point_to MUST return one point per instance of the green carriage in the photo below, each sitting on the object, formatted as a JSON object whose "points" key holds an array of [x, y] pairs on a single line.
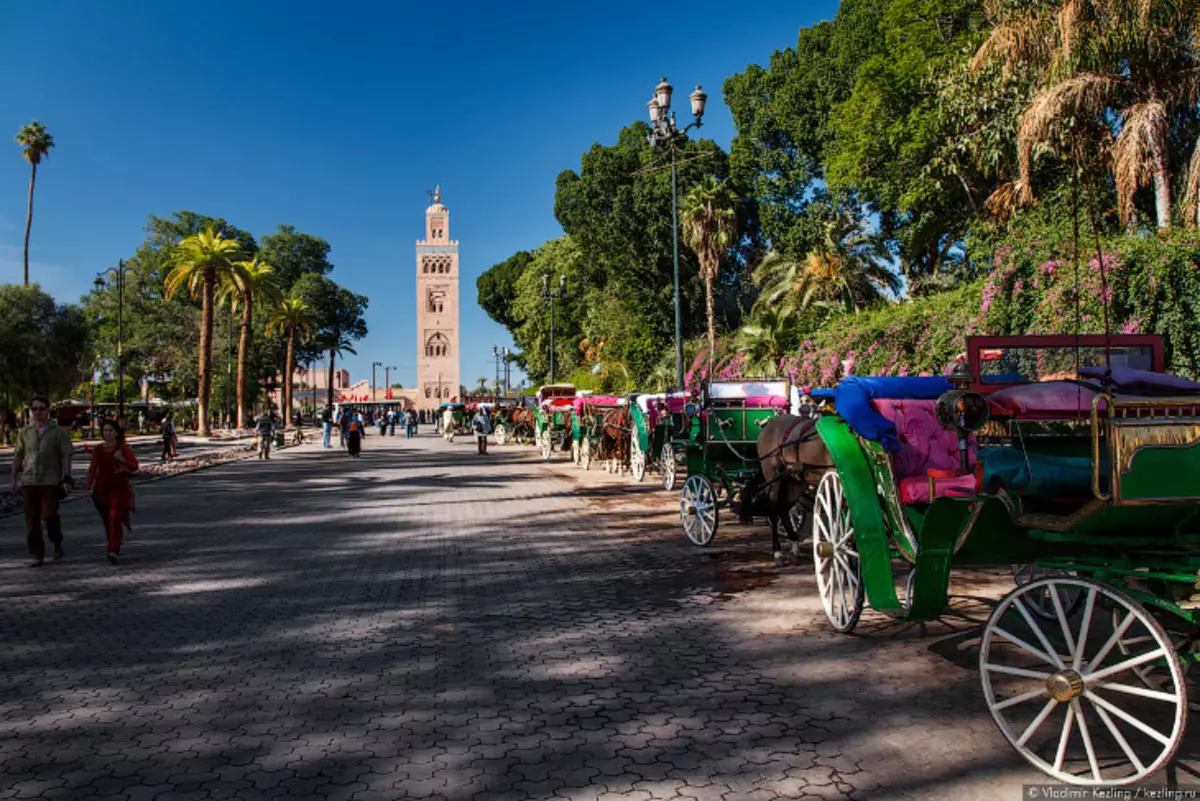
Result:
{"points": [[1090, 489], [552, 421], [454, 419], [587, 421], [662, 428], [721, 453]]}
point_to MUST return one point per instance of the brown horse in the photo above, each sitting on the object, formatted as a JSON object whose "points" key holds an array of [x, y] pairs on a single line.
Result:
{"points": [[616, 428], [524, 425], [792, 458]]}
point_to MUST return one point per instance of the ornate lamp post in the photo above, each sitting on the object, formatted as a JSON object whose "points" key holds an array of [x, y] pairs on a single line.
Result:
{"points": [[553, 295], [504, 355], [119, 271], [666, 134], [387, 381], [496, 358], [373, 366]]}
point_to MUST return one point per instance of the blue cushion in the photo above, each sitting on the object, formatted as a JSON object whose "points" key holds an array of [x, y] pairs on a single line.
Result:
{"points": [[853, 400]]}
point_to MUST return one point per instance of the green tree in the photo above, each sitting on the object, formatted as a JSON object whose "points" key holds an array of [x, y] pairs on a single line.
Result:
{"points": [[294, 318], [44, 344], [497, 287], [339, 320], [294, 254], [765, 340], [709, 227], [251, 282], [846, 270], [200, 262], [36, 143], [1120, 74]]}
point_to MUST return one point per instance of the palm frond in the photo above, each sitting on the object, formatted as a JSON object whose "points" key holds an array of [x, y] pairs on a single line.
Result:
{"points": [[1003, 203], [1144, 131], [1083, 94], [1012, 43], [1191, 197]]}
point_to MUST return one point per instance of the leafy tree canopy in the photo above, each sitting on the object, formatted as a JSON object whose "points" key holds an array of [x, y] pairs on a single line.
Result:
{"points": [[293, 254], [497, 287], [44, 344]]}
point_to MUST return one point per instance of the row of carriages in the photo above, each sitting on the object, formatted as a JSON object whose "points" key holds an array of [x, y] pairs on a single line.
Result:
{"points": [[1073, 462]]}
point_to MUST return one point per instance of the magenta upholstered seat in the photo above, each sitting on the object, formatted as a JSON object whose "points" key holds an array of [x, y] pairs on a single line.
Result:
{"points": [[924, 446], [766, 402], [1046, 400]]}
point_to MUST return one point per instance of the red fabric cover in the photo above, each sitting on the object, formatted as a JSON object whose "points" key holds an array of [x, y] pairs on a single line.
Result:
{"points": [[915, 489], [1045, 400], [925, 445]]}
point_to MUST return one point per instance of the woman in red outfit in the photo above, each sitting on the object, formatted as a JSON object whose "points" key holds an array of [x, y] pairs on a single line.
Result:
{"points": [[108, 483]]}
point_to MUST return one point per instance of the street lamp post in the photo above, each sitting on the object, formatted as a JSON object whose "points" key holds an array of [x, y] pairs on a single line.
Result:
{"points": [[553, 295], [387, 381], [99, 284], [666, 134], [373, 366], [496, 357], [504, 354]]}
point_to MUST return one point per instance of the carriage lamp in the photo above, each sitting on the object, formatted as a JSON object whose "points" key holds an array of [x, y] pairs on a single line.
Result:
{"points": [[962, 410], [665, 133]]}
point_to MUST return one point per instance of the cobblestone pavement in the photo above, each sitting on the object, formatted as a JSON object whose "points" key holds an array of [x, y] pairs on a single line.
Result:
{"points": [[426, 622]]}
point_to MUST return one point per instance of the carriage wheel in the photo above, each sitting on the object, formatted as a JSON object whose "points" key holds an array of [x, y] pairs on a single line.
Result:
{"points": [[1068, 698], [698, 510], [835, 556], [585, 453], [637, 459], [575, 451], [1156, 674], [1041, 605], [501, 436], [666, 462], [545, 444]]}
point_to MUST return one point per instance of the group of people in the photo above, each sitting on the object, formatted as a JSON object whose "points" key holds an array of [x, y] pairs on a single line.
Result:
{"points": [[41, 472], [352, 426]]}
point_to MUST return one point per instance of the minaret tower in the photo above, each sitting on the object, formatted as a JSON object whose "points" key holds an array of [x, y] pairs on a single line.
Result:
{"points": [[437, 309]]}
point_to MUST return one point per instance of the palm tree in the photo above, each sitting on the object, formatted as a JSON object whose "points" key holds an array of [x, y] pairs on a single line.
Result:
{"points": [[37, 144], [709, 227], [334, 343], [201, 262], [764, 341], [249, 283], [847, 270], [295, 318], [483, 382], [1120, 70]]}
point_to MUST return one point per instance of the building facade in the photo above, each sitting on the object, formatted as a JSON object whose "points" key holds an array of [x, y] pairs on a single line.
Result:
{"points": [[437, 310]]}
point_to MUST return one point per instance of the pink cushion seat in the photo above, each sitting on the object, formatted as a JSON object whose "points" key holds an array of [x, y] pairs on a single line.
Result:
{"points": [[1046, 400], [925, 446]]}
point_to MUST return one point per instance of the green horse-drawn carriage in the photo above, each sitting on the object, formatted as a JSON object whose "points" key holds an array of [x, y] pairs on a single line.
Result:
{"points": [[454, 419], [721, 447], [661, 430], [1091, 484], [588, 414], [553, 418]]}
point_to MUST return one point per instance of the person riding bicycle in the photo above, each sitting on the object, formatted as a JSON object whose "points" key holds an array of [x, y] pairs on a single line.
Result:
{"points": [[266, 433]]}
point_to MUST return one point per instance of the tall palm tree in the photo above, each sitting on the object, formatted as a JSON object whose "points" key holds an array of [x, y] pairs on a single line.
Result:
{"points": [[847, 270], [37, 144], [294, 317], [764, 341], [1123, 71], [334, 343], [250, 283], [201, 262], [709, 228]]}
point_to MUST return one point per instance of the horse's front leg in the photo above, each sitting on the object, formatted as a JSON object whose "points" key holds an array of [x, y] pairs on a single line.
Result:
{"points": [[792, 534], [776, 548]]}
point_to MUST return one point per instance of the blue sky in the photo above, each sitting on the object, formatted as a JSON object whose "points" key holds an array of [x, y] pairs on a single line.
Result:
{"points": [[338, 122]]}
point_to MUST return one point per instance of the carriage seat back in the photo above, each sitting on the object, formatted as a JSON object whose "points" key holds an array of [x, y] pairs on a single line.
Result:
{"points": [[924, 446]]}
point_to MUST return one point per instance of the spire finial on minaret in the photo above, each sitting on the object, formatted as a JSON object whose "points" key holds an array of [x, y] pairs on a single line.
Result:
{"points": [[437, 193]]}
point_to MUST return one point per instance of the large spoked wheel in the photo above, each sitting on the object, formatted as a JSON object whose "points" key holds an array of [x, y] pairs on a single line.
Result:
{"points": [[501, 435], [666, 462], [545, 444], [637, 459], [1156, 674], [585, 452], [698, 510], [575, 451], [1069, 697], [1042, 605], [835, 556]]}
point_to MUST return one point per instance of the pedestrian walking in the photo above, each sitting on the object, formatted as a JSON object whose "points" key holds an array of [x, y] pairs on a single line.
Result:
{"points": [[483, 426], [327, 424], [354, 437], [168, 438], [42, 462], [266, 432], [410, 424], [391, 421], [107, 483], [382, 423]]}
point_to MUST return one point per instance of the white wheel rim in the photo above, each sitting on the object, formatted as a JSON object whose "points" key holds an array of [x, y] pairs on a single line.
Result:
{"points": [[1113, 730], [585, 454], [839, 576], [637, 463], [667, 464], [698, 510], [546, 445]]}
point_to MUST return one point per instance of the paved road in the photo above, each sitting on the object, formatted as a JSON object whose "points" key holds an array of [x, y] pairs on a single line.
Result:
{"points": [[425, 622]]}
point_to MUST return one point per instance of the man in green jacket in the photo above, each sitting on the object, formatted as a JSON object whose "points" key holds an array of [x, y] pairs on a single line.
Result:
{"points": [[43, 462]]}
